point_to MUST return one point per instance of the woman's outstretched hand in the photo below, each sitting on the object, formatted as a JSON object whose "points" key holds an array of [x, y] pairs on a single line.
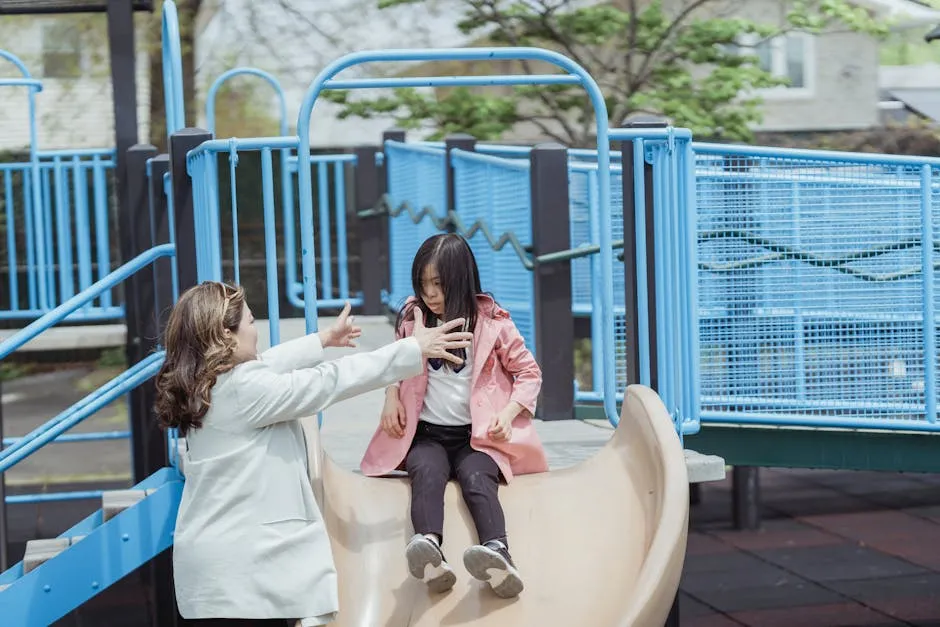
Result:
{"points": [[343, 332], [435, 342]]}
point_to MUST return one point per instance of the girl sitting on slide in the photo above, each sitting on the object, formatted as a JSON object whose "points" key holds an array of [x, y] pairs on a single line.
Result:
{"points": [[470, 420]]}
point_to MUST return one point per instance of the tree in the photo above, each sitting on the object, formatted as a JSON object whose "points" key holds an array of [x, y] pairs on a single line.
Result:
{"points": [[684, 62]]}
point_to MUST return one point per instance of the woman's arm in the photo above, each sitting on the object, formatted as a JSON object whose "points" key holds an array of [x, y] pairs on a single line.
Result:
{"points": [[519, 362], [302, 352], [267, 396], [307, 351]]}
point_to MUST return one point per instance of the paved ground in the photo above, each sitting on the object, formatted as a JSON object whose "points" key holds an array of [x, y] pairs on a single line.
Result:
{"points": [[836, 548]]}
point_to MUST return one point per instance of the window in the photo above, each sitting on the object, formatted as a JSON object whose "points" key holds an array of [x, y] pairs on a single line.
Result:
{"points": [[788, 56], [61, 51]]}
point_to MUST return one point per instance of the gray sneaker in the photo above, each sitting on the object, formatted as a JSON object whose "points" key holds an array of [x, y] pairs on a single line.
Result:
{"points": [[426, 562], [492, 563]]}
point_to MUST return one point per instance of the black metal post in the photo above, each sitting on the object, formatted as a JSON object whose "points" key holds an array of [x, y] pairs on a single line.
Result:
{"points": [[162, 296], [124, 82], [631, 280], [4, 532], [460, 141], [146, 439], [745, 497], [372, 266], [554, 324], [181, 143]]}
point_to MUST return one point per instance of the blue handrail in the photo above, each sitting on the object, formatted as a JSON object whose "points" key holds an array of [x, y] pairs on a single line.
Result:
{"points": [[76, 302], [118, 386], [172, 70]]}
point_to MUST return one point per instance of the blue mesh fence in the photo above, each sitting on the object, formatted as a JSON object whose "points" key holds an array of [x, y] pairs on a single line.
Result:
{"points": [[813, 298], [496, 192], [416, 175], [585, 271]]}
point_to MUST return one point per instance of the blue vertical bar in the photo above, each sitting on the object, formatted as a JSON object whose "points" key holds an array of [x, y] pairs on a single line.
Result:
{"points": [[290, 237], [342, 262], [659, 264], [12, 269], [270, 246], [171, 227], [800, 339], [930, 323], [691, 244], [82, 225], [642, 297], [597, 311], [670, 283], [64, 230], [48, 228], [683, 306], [326, 254], [232, 164], [32, 271], [102, 225], [213, 212]]}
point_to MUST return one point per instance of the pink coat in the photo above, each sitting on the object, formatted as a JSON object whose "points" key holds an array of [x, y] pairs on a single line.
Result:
{"points": [[503, 370]]}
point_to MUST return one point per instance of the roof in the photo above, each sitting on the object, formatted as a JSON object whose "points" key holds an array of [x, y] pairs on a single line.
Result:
{"points": [[924, 102]]}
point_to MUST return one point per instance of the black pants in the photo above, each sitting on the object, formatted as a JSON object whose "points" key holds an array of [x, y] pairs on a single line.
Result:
{"points": [[438, 454]]}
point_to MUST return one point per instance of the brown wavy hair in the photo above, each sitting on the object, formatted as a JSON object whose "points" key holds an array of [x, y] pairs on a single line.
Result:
{"points": [[197, 352]]}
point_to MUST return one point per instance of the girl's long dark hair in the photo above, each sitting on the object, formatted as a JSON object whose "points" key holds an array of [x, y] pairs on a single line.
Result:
{"points": [[451, 256]]}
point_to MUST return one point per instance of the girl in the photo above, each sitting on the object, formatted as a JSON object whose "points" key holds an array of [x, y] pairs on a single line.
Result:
{"points": [[250, 546], [472, 421]]}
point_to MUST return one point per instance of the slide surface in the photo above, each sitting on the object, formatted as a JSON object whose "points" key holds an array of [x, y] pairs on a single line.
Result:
{"points": [[601, 543]]}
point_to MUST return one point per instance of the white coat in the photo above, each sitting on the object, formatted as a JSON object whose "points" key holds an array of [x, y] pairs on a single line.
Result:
{"points": [[250, 541]]}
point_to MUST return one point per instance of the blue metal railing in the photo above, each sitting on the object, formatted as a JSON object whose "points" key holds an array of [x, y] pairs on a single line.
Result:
{"points": [[806, 318], [106, 394], [63, 311], [53, 430], [55, 210], [172, 69], [573, 75]]}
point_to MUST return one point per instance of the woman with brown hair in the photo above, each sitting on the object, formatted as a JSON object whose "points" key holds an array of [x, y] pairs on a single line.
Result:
{"points": [[250, 546]]}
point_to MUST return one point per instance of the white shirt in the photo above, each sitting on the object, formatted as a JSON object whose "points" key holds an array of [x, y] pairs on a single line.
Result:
{"points": [[447, 400]]}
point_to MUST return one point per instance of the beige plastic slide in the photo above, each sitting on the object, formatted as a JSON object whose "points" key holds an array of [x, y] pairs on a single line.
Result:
{"points": [[601, 543]]}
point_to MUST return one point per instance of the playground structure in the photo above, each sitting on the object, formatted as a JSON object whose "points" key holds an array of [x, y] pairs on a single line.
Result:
{"points": [[742, 295]]}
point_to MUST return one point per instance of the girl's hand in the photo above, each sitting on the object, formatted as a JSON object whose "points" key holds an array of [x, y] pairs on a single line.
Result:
{"points": [[437, 341], [393, 415], [501, 426], [343, 331]]}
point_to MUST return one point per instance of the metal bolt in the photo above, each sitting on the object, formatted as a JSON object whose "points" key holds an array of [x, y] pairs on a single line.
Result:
{"points": [[125, 537], [94, 585], [46, 588]]}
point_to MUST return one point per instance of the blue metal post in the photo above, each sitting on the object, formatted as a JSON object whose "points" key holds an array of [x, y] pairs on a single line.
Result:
{"points": [[930, 322]]}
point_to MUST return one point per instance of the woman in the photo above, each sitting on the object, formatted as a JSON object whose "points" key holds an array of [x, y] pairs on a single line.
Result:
{"points": [[250, 546]]}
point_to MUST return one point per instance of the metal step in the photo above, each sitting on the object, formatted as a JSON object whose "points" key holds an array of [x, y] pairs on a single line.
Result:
{"points": [[113, 502], [40, 551]]}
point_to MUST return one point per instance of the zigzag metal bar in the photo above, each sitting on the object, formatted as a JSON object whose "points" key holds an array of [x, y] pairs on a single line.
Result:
{"points": [[383, 207], [780, 252]]}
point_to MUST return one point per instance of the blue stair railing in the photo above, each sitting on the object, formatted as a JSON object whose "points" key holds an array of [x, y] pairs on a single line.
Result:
{"points": [[99, 554], [98, 551]]}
